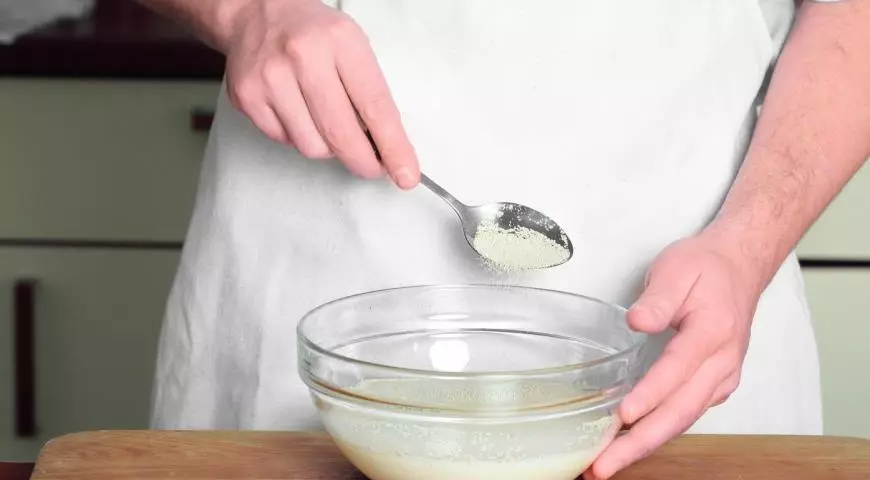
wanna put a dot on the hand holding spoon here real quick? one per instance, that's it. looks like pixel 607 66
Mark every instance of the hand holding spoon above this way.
pixel 509 235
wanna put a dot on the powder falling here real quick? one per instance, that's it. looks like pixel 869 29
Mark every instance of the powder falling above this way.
pixel 517 248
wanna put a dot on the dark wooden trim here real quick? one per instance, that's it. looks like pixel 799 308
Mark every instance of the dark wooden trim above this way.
pixel 24 345
pixel 808 263
pixel 835 263
pixel 175 61
pixel 120 39
pixel 16 471
pixel 201 119
pixel 89 244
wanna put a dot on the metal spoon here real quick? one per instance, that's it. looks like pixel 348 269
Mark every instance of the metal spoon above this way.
pixel 506 216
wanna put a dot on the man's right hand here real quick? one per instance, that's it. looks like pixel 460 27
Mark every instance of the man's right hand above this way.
pixel 301 71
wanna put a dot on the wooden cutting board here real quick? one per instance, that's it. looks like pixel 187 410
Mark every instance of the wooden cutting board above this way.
pixel 122 455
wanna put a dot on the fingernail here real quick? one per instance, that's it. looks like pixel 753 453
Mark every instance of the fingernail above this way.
pixel 404 179
pixel 644 311
pixel 598 474
pixel 627 412
pixel 590 475
pixel 640 316
pixel 648 319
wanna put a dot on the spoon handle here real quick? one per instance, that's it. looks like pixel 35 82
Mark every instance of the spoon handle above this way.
pixel 458 206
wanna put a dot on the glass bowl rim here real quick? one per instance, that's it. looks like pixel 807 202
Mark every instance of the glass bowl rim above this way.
pixel 640 338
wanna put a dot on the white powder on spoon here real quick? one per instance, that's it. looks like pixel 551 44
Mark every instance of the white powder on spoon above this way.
pixel 517 248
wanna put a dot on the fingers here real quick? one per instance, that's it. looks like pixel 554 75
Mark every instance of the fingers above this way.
pixel 669 420
pixel 288 103
pixel 249 98
pixel 668 285
pixel 310 82
pixel 365 84
pixel 335 117
pixel 698 339
pixel 728 386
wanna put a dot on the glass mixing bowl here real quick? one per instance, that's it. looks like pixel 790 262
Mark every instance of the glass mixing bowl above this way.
pixel 469 381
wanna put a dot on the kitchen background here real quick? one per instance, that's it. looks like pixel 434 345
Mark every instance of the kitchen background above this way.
pixel 103 121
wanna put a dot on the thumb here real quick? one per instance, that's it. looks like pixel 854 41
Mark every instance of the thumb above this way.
pixel 667 287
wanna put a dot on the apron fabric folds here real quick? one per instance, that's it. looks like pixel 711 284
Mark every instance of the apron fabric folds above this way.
pixel 625 120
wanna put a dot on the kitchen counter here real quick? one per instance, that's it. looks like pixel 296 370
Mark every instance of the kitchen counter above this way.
pixel 123 455
pixel 120 39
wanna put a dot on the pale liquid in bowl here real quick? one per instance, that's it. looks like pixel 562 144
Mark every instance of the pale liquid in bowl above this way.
pixel 388 445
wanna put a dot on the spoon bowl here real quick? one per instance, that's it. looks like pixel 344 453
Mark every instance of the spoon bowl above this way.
pixel 509 235
pixel 507 218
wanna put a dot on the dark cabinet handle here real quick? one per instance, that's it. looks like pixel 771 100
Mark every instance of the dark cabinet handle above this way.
pixel 835 263
pixel 24 337
pixel 201 119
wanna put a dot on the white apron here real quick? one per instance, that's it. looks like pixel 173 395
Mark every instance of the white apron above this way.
pixel 625 120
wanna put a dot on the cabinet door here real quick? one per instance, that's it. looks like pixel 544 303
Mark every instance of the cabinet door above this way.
pixel 101 160
pixel 843 230
pixel 840 305
pixel 97 318
pixel 839 298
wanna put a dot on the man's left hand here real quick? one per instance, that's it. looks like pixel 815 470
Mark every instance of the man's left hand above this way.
pixel 706 292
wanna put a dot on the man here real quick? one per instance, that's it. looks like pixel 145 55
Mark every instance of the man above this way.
pixel 629 122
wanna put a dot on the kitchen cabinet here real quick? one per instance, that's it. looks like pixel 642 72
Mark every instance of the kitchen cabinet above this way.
pixel 840 304
pixel 843 230
pixel 839 299
pixel 97 184
pixel 99 163
pixel 106 160
pixel 97 316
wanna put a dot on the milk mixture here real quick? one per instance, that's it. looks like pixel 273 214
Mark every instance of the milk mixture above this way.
pixel 397 445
